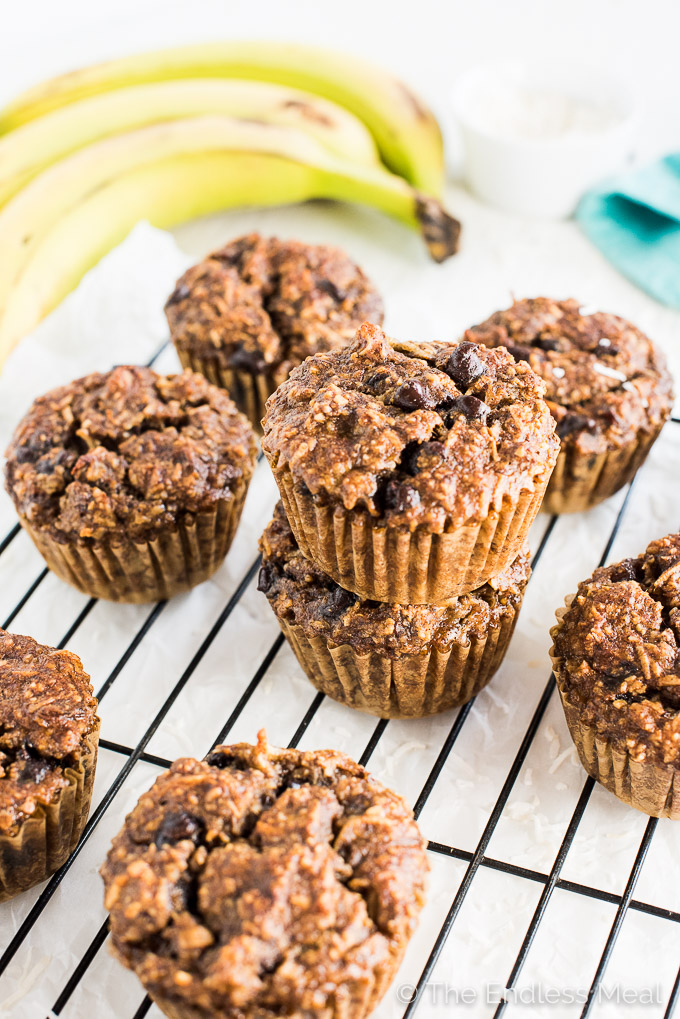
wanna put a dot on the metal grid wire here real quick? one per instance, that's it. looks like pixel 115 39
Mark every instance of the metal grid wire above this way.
pixel 130 756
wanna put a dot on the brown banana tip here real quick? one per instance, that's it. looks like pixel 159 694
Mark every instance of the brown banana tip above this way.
pixel 441 231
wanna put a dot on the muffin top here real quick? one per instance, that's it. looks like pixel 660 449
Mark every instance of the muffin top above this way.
pixel 47 708
pixel 605 380
pixel 305 596
pixel 618 651
pixel 261 303
pixel 126 453
pixel 429 433
pixel 262 881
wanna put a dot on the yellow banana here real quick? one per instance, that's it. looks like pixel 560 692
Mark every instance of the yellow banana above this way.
pixel 37 144
pixel 406 132
pixel 61 223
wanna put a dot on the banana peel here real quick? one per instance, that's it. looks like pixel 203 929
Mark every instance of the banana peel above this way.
pixel 405 130
pixel 33 146
pixel 70 215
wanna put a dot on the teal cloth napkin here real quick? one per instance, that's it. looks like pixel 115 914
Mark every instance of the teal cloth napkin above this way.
pixel 634 220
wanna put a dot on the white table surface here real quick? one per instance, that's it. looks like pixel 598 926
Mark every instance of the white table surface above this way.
pixel 118 307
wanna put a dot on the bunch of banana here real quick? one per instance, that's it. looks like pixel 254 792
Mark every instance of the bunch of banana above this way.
pixel 181 133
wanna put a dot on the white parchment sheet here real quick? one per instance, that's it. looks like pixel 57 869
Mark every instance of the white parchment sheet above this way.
pixel 116 317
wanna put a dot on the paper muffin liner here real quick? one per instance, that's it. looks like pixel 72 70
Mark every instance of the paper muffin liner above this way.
pixel 650 785
pixel 405 686
pixel 129 571
pixel 45 840
pixel 249 390
pixel 582 480
pixel 393 564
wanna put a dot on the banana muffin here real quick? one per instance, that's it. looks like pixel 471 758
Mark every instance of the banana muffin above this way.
pixel 263 882
pixel 49 732
pixel 250 312
pixel 616 657
pixel 607 387
pixel 410 472
pixel 396 661
pixel 131 484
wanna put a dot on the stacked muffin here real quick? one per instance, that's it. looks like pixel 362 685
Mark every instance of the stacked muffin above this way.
pixel 409 475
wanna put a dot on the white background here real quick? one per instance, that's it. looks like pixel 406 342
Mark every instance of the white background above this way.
pixel 116 316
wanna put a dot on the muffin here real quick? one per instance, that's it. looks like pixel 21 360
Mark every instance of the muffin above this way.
pixel 396 661
pixel 607 387
pixel 131 484
pixel 48 753
pixel 616 657
pixel 410 472
pixel 264 882
pixel 255 309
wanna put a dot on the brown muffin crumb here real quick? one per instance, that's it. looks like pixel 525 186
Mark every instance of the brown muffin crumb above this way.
pixel 125 454
pixel 47 708
pixel 430 433
pixel 605 380
pixel 301 593
pixel 261 303
pixel 265 882
pixel 618 648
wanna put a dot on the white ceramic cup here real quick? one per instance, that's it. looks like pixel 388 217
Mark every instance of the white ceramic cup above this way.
pixel 532 169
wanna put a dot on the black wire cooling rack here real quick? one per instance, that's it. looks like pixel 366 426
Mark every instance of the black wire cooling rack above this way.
pixel 47 903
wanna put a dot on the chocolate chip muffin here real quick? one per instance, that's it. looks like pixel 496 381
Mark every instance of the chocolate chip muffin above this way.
pixel 410 472
pixel 395 661
pixel 607 387
pixel 250 312
pixel 131 484
pixel 49 732
pixel 616 657
pixel 264 882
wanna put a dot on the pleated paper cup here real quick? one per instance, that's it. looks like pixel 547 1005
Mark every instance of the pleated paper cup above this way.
pixel 582 480
pixel 249 390
pixel 132 571
pixel 394 564
pixel 404 686
pixel 650 786
pixel 45 840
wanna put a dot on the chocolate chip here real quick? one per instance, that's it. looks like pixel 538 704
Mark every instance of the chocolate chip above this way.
pixel 377 382
pixel 573 422
pixel 464 365
pixel 267 577
pixel 33 769
pixel 338 601
pixel 177 826
pixel 218 759
pixel 519 353
pixel 627 569
pixel 415 455
pixel 327 287
pixel 545 343
pixel 247 359
pixel 472 408
pixel 180 293
pixel 345 424
pixel 400 497
pixel 414 395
